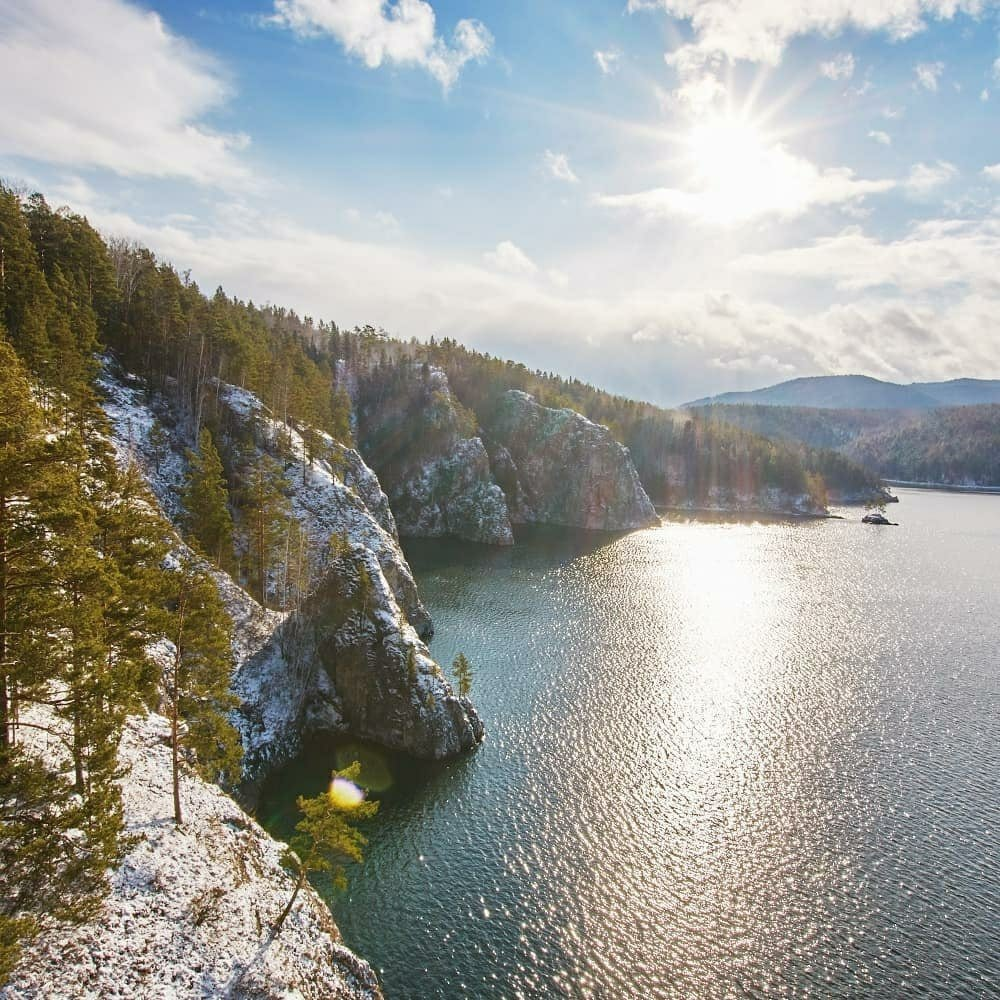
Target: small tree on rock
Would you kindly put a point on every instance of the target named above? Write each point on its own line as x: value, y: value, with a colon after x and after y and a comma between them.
x: 326, y: 835
x: 462, y: 670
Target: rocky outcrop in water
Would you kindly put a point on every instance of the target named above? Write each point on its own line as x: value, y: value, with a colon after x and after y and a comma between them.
x: 428, y: 455
x: 558, y: 467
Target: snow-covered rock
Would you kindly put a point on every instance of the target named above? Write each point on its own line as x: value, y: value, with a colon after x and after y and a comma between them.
x: 190, y: 907
x: 558, y: 467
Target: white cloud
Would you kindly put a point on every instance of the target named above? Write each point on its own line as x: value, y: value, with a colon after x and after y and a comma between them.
x: 750, y: 182
x: 759, y: 30
x: 510, y: 258
x: 934, y: 255
x: 557, y: 166
x: 387, y: 221
x: 890, y: 112
x: 925, y: 178
x: 607, y: 60
x: 993, y: 172
x: 840, y: 67
x: 402, y: 33
x: 699, y: 86
x: 928, y: 74
x: 996, y: 69
x: 882, y: 138
x: 105, y: 84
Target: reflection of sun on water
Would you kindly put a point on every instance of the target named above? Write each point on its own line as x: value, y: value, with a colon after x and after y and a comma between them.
x: 731, y: 633
x: 726, y: 786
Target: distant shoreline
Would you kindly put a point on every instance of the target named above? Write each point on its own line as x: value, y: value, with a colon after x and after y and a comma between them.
x: 746, y: 513
x: 942, y: 487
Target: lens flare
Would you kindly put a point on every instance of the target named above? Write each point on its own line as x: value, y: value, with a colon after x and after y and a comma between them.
x: 345, y: 794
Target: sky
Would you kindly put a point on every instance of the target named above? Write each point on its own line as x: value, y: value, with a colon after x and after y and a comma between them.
x: 668, y: 198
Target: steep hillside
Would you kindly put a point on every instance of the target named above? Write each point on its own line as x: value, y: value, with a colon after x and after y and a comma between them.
x: 958, y: 446
x: 469, y: 471
x: 557, y: 467
x: 946, y: 445
x: 814, y: 427
x: 189, y: 907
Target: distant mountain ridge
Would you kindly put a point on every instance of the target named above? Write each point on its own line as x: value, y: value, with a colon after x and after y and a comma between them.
x: 861, y: 392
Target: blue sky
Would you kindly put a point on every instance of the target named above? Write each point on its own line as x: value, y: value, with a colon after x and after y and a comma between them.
x: 666, y: 197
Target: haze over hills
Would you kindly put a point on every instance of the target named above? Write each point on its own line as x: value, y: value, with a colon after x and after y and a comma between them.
x: 861, y: 392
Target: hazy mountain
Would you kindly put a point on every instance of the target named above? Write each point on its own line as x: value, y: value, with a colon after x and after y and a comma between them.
x: 964, y: 391
x: 859, y: 392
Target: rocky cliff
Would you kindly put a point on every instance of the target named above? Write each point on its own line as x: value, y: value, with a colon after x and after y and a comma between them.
x: 350, y: 657
x: 558, y: 467
x: 424, y: 445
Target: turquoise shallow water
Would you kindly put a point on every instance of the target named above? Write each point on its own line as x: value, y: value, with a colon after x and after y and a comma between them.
x: 723, y: 760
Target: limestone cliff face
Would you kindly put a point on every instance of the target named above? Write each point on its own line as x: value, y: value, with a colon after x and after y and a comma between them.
x: 424, y: 445
x: 350, y: 658
x: 558, y: 467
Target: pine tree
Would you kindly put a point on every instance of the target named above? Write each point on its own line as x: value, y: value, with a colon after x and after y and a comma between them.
x: 326, y: 834
x: 462, y: 670
x: 266, y: 511
x: 206, y: 502
x: 340, y: 417
x: 55, y: 844
x: 365, y: 589
x: 159, y: 445
x: 197, y: 681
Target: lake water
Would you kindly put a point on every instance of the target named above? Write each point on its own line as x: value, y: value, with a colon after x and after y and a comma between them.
x: 723, y: 760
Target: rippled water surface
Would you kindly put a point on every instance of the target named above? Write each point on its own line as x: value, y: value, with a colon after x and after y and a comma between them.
x: 722, y: 760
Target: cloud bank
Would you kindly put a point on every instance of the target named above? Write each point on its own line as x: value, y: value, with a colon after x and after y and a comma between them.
x: 105, y: 84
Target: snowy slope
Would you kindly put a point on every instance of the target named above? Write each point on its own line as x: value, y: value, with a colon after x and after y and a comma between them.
x: 190, y: 907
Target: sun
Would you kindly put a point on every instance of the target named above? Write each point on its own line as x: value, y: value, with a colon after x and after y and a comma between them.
x: 738, y: 170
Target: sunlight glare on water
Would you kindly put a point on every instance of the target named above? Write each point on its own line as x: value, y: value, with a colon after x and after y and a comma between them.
x: 723, y: 760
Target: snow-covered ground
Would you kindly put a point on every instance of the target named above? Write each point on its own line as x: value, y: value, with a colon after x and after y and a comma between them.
x: 190, y: 908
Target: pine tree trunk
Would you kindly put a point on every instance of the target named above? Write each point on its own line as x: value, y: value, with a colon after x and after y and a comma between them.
x: 299, y: 883
x: 261, y: 561
x: 175, y: 706
x: 175, y: 759
x: 5, y: 734
x: 77, y: 752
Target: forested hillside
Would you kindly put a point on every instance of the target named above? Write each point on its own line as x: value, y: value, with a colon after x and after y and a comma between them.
x: 85, y: 593
x: 957, y: 446
x: 954, y: 445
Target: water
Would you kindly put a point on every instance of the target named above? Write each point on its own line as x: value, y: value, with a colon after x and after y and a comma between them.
x: 723, y: 760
